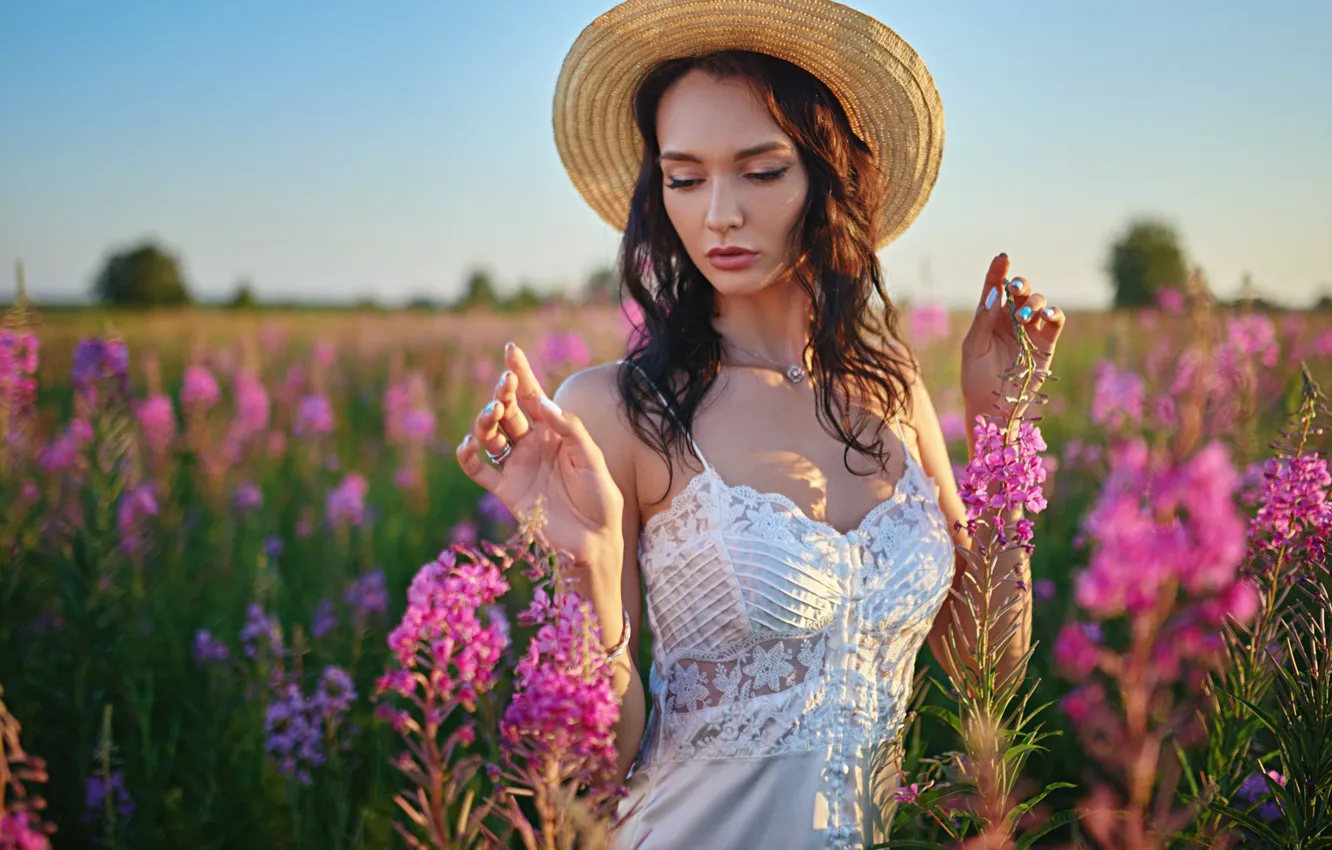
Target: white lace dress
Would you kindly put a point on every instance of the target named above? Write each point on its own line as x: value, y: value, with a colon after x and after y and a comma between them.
x: 782, y: 664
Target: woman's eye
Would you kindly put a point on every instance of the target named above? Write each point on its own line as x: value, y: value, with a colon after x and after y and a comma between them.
x: 761, y: 176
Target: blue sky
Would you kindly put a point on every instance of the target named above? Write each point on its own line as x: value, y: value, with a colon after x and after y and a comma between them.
x: 336, y: 150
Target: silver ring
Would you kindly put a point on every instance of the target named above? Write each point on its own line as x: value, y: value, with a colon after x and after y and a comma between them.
x: 498, y: 459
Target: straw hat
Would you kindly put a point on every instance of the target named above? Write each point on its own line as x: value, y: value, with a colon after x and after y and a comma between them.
x: 887, y: 93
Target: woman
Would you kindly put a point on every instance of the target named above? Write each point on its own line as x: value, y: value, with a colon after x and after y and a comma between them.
x: 756, y: 156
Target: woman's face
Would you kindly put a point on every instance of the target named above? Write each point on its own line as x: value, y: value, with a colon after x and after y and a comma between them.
x: 731, y: 179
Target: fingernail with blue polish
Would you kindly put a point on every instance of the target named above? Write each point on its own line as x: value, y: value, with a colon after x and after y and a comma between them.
x: 1016, y: 284
x: 1024, y: 314
x: 490, y: 409
x: 989, y: 299
x: 1049, y: 312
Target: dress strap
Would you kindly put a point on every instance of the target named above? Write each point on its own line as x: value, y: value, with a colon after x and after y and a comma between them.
x: 901, y: 435
x: 670, y: 410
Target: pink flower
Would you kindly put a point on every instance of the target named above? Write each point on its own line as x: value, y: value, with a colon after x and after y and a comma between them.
x: 1254, y: 335
x: 563, y: 707
x: 1239, y: 602
x: 928, y: 323
x: 1005, y: 477
x: 314, y: 416
x: 1079, y: 703
x: 252, y: 408
x: 954, y: 425
x: 1077, y: 650
x: 247, y: 497
x: 442, y: 627
x: 157, y: 420
x: 1158, y: 527
x: 21, y: 830
x: 346, y: 502
x: 463, y: 534
x: 396, y: 403
x: 199, y: 388
x: 136, y: 505
x: 1119, y: 397
x: 1170, y: 300
x: 1293, y: 496
x: 62, y: 452
x: 563, y: 351
x: 1322, y: 344
x: 910, y: 793
x: 325, y: 354
x: 18, y: 372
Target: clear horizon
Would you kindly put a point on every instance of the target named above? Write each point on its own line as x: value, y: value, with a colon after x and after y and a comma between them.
x: 339, y: 150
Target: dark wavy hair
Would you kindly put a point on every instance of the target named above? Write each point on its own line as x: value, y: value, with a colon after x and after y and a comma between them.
x: 834, y: 262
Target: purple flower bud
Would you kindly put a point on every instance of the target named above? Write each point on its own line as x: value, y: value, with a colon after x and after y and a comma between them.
x: 208, y: 649
x: 314, y: 416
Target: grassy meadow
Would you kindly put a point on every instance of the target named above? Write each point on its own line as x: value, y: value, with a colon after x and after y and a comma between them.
x: 292, y: 472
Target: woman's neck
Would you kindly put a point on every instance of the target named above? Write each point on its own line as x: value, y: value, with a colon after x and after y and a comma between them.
x: 772, y: 323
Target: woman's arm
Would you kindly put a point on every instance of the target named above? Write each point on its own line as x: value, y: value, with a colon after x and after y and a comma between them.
x: 933, y: 453
x: 593, y: 396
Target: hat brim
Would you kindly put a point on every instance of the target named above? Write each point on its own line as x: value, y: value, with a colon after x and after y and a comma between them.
x: 884, y: 87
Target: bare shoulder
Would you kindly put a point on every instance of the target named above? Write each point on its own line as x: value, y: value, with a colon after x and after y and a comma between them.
x: 925, y: 436
x: 593, y: 395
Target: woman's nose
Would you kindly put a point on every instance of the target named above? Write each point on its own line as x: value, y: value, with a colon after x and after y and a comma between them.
x: 723, y: 207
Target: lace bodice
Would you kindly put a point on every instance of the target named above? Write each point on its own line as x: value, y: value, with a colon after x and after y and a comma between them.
x: 775, y: 633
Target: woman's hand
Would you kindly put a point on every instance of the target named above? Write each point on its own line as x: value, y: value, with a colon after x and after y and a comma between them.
x: 991, y: 346
x: 552, y: 455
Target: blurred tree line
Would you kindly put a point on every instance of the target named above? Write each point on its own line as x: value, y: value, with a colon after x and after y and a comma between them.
x: 146, y: 275
x: 1144, y: 260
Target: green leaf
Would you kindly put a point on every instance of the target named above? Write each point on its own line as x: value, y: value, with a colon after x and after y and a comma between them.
x: 1056, y: 820
x: 1022, y: 808
x: 1250, y: 823
x: 945, y: 715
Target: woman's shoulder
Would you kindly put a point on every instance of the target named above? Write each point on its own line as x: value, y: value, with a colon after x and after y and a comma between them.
x: 593, y: 391
x: 593, y: 395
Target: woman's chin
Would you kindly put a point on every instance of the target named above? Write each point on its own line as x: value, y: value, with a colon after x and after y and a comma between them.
x: 747, y: 282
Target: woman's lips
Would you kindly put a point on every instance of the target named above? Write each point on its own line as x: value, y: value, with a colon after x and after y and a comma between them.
x: 732, y: 262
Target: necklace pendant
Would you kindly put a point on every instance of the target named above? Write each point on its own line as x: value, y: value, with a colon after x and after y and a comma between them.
x: 795, y: 374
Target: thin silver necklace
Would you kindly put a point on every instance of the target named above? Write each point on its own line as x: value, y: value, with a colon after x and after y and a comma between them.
x: 795, y: 373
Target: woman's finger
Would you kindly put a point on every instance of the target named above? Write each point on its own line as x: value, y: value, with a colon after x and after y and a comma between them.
x: 514, y: 422
x: 1047, y: 329
x: 469, y: 458
x: 994, y: 278
x: 529, y: 392
x: 991, y: 307
x: 486, y: 429
x: 1018, y: 289
x: 1029, y: 310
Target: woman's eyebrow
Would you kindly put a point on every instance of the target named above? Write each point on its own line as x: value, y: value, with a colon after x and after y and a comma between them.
x: 764, y: 147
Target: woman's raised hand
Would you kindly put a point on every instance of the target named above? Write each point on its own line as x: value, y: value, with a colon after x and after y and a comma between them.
x: 549, y: 453
x: 991, y: 344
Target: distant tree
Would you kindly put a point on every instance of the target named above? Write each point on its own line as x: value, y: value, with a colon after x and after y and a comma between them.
x: 1145, y: 260
x: 244, y: 297
x: 367, y: 303
x: 143, y: 276
x: 1324, y: 302
x: 526, y: 298
x: 423, y: 303
x: 479, y: 291
x: 602, y: 286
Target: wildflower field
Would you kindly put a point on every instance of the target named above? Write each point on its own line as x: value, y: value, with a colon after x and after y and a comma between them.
x: 248, y: 599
